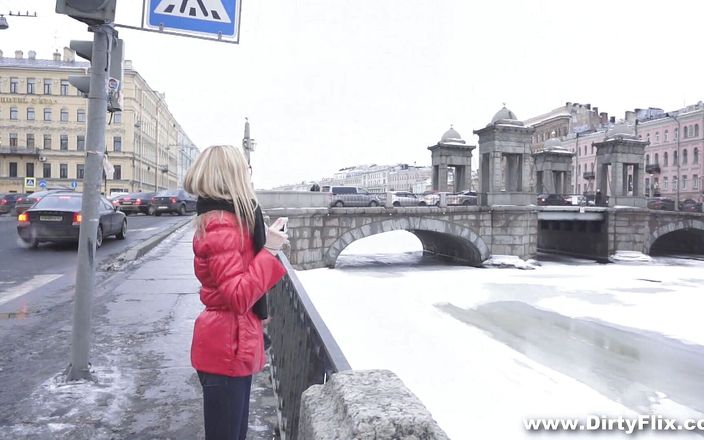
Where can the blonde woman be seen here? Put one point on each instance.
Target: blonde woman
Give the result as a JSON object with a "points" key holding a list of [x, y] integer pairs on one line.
{"points": [[235, 272]]}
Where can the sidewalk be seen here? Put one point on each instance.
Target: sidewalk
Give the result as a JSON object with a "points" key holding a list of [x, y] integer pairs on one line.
{"points": [[142, 326]]}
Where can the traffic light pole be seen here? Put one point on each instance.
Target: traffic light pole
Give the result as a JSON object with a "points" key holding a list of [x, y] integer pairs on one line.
{"points": [[95, 148]]}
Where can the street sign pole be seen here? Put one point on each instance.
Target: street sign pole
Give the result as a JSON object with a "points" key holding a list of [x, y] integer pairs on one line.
{"points": [[103, 35]]}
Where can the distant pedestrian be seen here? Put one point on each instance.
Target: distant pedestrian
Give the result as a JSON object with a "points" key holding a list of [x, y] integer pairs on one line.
{"points": [[228, 344], [315, 187], [598, 198]]}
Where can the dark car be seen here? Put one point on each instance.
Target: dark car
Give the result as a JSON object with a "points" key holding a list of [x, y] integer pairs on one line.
{"points": [[178, 201], [690, 205], [57, 218], [552, 200], [136, 203], [662, 203], [25, 202], [8, 201]]}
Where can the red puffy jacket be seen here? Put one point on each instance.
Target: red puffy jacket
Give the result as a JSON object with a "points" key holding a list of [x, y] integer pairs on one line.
{"points": [[227, 337]]}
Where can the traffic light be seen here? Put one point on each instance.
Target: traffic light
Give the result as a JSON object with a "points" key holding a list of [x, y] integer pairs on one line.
{"points": [[88, 11], [84, 49]]}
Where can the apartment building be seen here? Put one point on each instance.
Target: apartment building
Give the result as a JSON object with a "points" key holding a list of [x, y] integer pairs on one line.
{"points": [[43, 129]]}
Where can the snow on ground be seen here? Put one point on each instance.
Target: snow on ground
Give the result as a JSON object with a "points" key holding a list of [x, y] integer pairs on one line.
{"points": [[388, 308]]}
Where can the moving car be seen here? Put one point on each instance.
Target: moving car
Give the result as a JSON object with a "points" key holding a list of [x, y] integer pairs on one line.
{"points": [[404, 198], [177, 200], [57, 218], [136, 203], [464, 198], [8, 201], [352, 196], [690, 205], [662, 203], [23, 203], [552, 200]]}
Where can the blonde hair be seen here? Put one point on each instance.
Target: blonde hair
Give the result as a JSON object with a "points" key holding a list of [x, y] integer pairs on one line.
{"points": [[221, 172]]}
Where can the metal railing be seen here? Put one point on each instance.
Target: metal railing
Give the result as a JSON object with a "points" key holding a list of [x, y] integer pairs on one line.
{"points": [[303, 351]]}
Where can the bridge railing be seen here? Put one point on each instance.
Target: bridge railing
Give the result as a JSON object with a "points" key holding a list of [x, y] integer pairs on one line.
{"points": [[303, 351]]}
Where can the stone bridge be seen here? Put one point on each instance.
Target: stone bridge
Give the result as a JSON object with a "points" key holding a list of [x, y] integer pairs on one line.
{"points": [[471, 234]]}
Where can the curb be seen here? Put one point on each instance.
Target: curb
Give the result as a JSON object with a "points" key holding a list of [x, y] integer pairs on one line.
{"points": [[141, 249]]}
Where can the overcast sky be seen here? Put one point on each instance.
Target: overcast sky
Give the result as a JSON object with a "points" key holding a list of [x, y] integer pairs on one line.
{"points": [[333, 83]]}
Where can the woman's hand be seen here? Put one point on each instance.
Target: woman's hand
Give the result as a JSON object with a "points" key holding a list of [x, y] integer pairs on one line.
{"points": [[275, 238]]}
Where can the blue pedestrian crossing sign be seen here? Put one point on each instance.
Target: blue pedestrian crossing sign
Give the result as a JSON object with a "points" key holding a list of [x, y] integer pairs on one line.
{"points": [[217, 18], [30, 182], [42, 183]]}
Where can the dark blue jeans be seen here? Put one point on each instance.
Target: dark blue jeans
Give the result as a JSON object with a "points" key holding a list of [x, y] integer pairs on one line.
{"points": [[225, 406]]}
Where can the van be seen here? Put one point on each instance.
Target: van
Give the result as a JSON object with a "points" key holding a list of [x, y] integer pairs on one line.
{"points": [[352, 196]]}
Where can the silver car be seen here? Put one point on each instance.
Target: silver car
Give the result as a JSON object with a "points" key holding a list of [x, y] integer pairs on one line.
{"points": [[404, 198], [352, 196]]}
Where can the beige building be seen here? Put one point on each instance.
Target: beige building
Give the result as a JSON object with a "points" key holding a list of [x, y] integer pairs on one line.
{"points": [[43, 130]]}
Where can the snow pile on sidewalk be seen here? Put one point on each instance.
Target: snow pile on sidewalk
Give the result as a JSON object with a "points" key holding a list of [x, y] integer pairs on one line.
{"points": [[630, 257], [510, 261]]}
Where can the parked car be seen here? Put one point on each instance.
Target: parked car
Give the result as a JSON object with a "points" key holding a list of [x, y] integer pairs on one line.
{"points": [[662, 203], [57, 218], [404, 198], [136, 203], [8, 201], [690, 205], [25, 202], [352, 196], [552, 200], [178, 201], [465, 198]]}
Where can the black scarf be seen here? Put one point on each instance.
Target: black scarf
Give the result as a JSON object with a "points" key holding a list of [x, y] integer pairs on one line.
{"points": [[204, 205]]}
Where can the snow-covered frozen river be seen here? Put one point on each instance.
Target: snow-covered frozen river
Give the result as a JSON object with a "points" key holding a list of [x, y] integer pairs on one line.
{"points": [[484, 348]]}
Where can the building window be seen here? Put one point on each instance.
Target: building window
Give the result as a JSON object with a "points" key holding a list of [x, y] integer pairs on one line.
{"points": [[29, 168], [13, 169], [80, 142], [667, 135], [674, 158], [81, 115], [674, 183], [657, 137], [677, 133], [117, 117], [30, 113], [118, 172], [592, 167], [684, 183], [64, 142], [47, 142], [13, 139], [684, 157], [647, 159], [695, 182], [47, 114], [63, 171], [696, 130], [79, 171], [30, 142], [13, 113], [47, 87], [46, 170], [585, 150], [64, 87], [14, 84], [64, 115], [657, 161], [664, 184], [647, 187], [695, 157], [31, 86], [685, 132], [665, 160], [117, 143]]}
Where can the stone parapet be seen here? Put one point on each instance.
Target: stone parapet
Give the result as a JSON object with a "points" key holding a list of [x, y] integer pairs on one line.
{"points": [[365, 405]]}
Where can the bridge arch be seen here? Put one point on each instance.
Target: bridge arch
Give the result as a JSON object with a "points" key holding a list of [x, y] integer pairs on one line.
{"points": [[683, 235], [438, 237]]}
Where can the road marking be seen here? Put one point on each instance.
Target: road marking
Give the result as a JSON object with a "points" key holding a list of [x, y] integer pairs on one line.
{"points": [[142, 230], [36, 282], [209, 10]]}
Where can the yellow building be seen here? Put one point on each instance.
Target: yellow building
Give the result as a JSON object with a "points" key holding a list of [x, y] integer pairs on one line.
{"points": [[43, 130]]}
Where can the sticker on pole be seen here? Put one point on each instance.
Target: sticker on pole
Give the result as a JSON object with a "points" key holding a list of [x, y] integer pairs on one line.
{"points": [[219, 18]]}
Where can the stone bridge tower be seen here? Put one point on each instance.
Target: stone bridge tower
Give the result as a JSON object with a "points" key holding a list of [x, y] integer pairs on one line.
{"points": [[452, 151], [619, 167], [504, 161], [553, 166]]}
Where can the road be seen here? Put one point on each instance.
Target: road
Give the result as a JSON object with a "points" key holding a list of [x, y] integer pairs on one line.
{"points": [[36, 290]]}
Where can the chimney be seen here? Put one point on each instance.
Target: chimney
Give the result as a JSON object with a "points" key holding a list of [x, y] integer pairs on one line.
{"points": [[32, 55], [18, 54], [630, 116], [57, 56], [567, 104], [589, 106], [128, 65], [612, 119], [596, 110], [69, 55], [604, 118]]}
